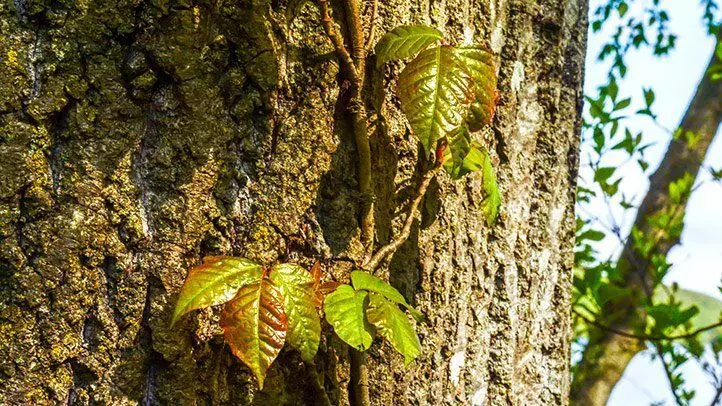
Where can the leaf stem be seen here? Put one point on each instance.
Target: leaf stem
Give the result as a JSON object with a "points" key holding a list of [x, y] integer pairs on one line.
{"points": [[398, 240]]}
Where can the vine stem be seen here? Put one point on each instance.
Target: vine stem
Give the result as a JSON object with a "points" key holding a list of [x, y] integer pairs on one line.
{"points": [[399, 239], [360, 378], [357, 108], [347, 64], [372, 26], [354, 66]]}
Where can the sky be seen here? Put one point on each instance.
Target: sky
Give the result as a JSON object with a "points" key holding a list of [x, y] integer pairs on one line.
{"points": [[697, 261]]}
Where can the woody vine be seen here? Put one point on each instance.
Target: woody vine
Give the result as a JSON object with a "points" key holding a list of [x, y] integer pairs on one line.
{"points": [[447, 94]]}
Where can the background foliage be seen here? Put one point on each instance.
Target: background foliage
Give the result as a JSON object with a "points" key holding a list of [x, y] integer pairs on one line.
{"points": [[625, 293]]}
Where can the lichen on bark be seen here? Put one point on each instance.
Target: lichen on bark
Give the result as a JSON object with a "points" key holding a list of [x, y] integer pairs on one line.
{"points": [[137, 137]]}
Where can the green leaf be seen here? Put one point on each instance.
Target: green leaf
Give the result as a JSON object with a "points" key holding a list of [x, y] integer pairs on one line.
{"points": [[623, 104], [492, 197], [458, 147], [365, 281], [404, 42], [215, 281], [345, 311], [622, 9], [304, 326], [592, 235], [602, 174], [254, 324], [649, 97], [435, 91], [393, 325], [671, 315], [479, 63], [709, 307]]}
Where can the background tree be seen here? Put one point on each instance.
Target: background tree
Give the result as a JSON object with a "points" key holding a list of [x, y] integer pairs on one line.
{"points": [[139, 136], [620, 303]]}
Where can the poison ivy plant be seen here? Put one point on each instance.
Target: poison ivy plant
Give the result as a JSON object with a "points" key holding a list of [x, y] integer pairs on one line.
{"points": [[345, 310], [369, 306], [263, 308], [447, 93]]}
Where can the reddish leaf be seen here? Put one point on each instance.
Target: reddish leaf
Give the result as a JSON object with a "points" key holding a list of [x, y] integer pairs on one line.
{"points": [[316, 273], [321, 289], [254, 325]]}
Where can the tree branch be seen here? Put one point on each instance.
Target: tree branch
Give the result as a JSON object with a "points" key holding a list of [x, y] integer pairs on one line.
{"points": [[647, 337], [668, 373], [347, 63], [394, 245]]}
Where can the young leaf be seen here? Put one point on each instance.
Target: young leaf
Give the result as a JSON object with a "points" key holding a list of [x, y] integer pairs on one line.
{"points": [[435, 91], [492, 197], [404, 42], [478, 158], [214, 282], [393, 325], [345, 311], [479, 63], [459, 144], [254, 325], [365, 281], [304, 325]]}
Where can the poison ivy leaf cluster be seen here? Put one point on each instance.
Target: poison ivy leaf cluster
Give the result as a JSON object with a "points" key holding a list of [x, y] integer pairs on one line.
{"points": [[370, 306], [264, 308], [446, 92], [267, 308]]}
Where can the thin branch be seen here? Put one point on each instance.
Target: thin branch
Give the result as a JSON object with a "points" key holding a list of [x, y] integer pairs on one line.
{"points": [[668, 373], [337, 41], [372, 26], [717, 397], [394, 245], [647, 337]]}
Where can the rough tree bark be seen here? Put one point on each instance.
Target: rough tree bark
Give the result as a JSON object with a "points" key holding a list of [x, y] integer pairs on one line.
{"points": [[138, 136], [607, 353]]}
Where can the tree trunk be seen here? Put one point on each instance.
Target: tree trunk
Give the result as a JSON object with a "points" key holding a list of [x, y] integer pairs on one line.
{"points": [[607, 354], [137, 137]]}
